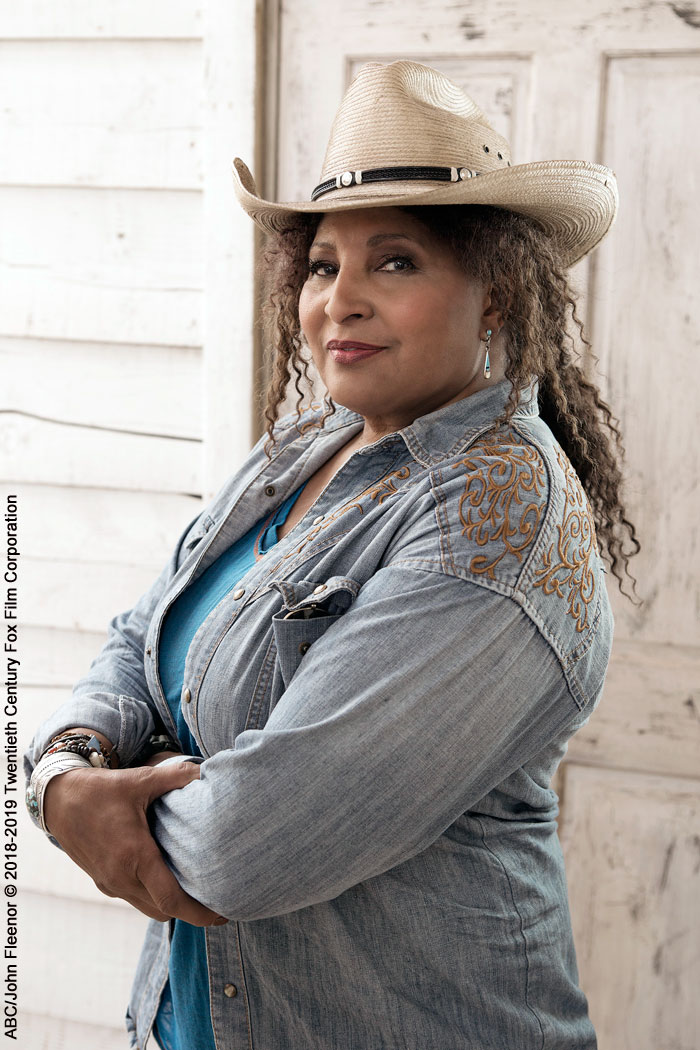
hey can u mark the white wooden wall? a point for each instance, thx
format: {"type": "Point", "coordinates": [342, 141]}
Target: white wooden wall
{"type": "Point", "coordinates": [618, 83]}
{"type": "Point", "coordinates": [126, 366]}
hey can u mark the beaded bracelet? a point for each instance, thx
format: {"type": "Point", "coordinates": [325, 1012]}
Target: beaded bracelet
{"type": "Point", "coordinates": [85, 744]}
{"type": "Point", "coordinates": [155, 744]}
{"type": "Point", "coordinates": [65, 752]}
{"type": "Point", "coordinates": [160, 742]}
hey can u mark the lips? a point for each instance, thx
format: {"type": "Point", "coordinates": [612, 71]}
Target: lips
{"type": "Point", "coordinates": [347, 351]}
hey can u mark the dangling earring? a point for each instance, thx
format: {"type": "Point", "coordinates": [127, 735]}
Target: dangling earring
{"type": "Point", "coordinates": [487, 362]}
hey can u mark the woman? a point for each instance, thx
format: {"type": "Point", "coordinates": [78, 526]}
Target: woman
{"type": "Point", "coordinates": [377, 639]}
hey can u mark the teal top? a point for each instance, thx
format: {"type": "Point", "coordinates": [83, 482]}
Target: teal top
{"type": "Point", "coordinates": [184, 1019]}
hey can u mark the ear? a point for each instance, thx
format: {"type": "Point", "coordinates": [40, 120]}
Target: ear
{"type": "Point", "coordinates": [494, 309]}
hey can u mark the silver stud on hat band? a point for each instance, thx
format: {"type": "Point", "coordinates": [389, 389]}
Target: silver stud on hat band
{"type": "Point", "coordinates": [344, 179]}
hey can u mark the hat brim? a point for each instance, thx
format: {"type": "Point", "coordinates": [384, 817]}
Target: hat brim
{"type": "Point", "coordinates": [575, 202]}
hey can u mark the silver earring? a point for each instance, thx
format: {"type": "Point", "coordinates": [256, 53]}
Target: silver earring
{"type": "Point", "coordinates": [487, 362]}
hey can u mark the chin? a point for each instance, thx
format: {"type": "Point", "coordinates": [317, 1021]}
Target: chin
{"type": "Point", "coordinates": [365, 402]}
{"type": "Point", "coordinates": [358, 405]}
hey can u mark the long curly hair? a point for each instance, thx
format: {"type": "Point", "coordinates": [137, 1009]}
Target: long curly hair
{"type": "Point", "coordinates": [545, 339]}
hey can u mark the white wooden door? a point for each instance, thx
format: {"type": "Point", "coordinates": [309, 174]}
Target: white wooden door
{"type": "Point", "coordinates": [619, 84]}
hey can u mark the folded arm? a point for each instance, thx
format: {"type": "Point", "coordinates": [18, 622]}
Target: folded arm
{"type": "Point", "coordinates": [412, 706]}
{"type": "Point", "coordinates": [99, 816]}
{"type": "Point", "coordinates": [113, 697]}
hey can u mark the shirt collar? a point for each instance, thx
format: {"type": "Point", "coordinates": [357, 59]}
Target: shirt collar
{"type": "Point", "coordinates": [449, 429]}
{"type": "Point", "coordinates": [440, 434]}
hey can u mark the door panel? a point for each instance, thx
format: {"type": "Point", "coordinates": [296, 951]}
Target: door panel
{"type": "Point", "coordinates": [619, 84]}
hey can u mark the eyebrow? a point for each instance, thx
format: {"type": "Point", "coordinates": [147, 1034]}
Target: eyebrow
{"type": "Point", "coordinates": [373, 241]}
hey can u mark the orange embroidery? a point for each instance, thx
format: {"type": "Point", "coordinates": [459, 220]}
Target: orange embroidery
{"type": "Point", "coordinates": [567, 568]}
{"type": "Point", "coordinates": [379, 491]}
{"type": "Point", "coordinates": [503, 498]}
{"type": "Point", "coordinates": [316, 421]}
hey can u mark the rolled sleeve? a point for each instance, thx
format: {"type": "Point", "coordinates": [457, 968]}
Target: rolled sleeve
{"type": "Point", "coordinates": [113, 697]}
{"type": "Point", "coordinates": [416, 702]}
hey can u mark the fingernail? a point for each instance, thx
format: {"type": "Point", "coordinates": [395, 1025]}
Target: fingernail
{"type": "Point", "coordinates": [221, 921]}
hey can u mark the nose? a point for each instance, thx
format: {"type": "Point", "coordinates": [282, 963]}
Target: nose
{"type": "Point", "coordinates": [348, 297]}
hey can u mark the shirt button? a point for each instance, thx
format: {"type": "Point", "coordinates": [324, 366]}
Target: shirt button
{"type": "Point", "coordinates": [304, 647]}
{"type": "Point", "coordinates": [269, 490]}
{"type": "Point", "coordinates": [230, 990]}
{"type": "Point", "coordinates": [187, 696]}
{"type": "Point", "coordinates": [238, 593]}
{"type": "Point", "coordinates": [318, 520]}
{"type": "Point", "coordinates": [319, 590]}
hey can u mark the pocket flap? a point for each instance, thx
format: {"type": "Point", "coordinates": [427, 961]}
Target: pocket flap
{"type": "Point", "coordinates": [310, 608]}
{"type": "Point", "coordinates": [332, 596]}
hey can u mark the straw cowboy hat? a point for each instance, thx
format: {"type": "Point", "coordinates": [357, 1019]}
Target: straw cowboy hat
{"type": "Point", "coordinates": [406, 135]}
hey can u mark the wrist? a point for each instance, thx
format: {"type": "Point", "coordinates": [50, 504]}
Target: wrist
{"type": "Point", "coordinates": [90, 743]}
{"type": "Point", "coordinates": [54, 792]}
{"type": "Point", "coordinates": [47, 768]}
{"type": "Point", "coordinates": [157, 744]}
{"type": "Point", "coordinates": [72, 749]}
{"type": "Point", "coordinates": [162, 756]}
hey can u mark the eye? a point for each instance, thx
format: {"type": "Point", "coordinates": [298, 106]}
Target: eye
{"type": "Point", "coordinates": [397, 264]}
{"type": "Point", "coordinates": [320, 268]}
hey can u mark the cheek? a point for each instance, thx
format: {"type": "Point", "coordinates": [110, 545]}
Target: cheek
{"type": "Point", "coordinates": [437, 324]}
{"type": "Point", "coordinates": [461, 319]}
{"type": "Point", "coordinates": [311, 315]}
{"type": "Point", "coordinates": [309, 311]}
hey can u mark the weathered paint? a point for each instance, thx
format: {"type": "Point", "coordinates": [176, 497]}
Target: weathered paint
{"type": "Point", "coordinates": [617, 84]}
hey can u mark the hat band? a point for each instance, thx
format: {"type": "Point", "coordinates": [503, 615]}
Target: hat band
{"type": "Point", "coordinates": [427, 174]}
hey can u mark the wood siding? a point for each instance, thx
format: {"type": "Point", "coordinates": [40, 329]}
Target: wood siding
{"type": "Point", "coordinates": [126, 331]}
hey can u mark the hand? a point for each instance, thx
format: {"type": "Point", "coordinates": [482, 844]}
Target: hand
{"type": "Point", "coordinates": [160, 756]}
{"type": "Point", "coordinates": [99, 818]}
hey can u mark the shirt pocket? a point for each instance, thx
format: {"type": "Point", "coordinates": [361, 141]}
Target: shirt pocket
{"type": "Point", "coordinates": [310, 608]}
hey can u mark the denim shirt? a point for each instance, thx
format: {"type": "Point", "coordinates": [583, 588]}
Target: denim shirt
{"type": "Point", "coordinates": [381, 704]}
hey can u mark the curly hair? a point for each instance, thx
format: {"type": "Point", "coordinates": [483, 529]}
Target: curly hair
{"type": "Point", "coordinates": [528, 283]}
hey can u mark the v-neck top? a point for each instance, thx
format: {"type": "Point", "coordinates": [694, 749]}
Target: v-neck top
{"type": "Point", "coordinates": [193, 606]}
{"type": "Point", "coordinates": [184, 1020]}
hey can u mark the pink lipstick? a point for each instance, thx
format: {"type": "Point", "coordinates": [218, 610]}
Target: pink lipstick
{"type": "Point", "coordinates": [348, 350]}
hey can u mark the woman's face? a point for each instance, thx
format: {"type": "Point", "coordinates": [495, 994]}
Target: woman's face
{"type": "Point", "coordinates": [393, 323]}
